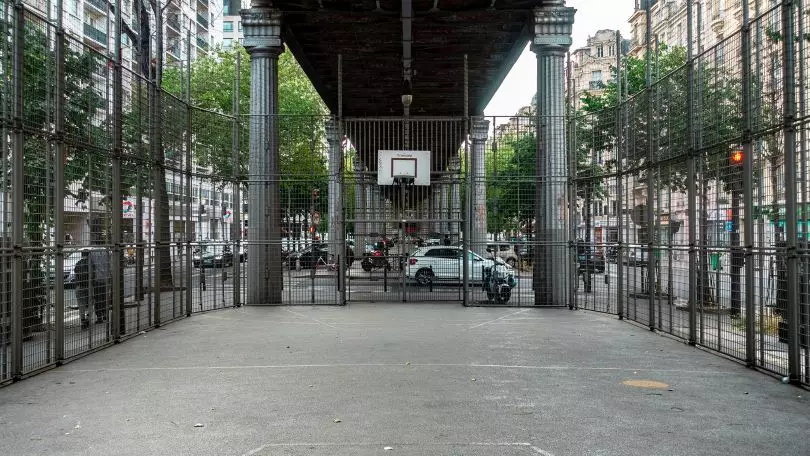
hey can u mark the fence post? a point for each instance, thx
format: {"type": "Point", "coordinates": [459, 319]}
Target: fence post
{"type": "Point", "coordinates": [18, 169]}
{"type": "Point", "coordinates": [619, 189]}
{"type": "Point", "coordinates": [236, 222]}
{"type": "Point", "coordinates": [189, 181]}
{"type": "Point", "coordinates": [789, 115]}
{"type": "Point", "coordinates": [59, 186]}
{"type": "Point", "coordinates": [118, 318]}
{"type": "Point", "coordinates": [691, 186]}
{"type": "Point", "coordinates": [465, 243]}
{"type": "Point", "coordinates": [573, 181]}
{"type": "Point", "coordinates": [748, 191]}
{"type": "Point", "coordinates": [650, 159]}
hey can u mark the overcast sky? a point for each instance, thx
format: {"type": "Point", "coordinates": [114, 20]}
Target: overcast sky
{"type": "Point", "coordinates": [592, 15]}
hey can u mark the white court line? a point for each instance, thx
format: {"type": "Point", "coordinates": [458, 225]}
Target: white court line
{"type": "Point", "coordinates": [395, 445]}
{"type": "Point", "coordinates": [498, 319]}
{"type": "Point", "coordinates": [310, 318]}
{"type": "Point", "coordinates": [412, 365]}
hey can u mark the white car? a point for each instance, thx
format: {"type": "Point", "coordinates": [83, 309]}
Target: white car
{"type": "Point", "coordinates": [444, 263]}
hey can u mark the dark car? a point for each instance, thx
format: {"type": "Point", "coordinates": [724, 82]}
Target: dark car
{"type": "Point", "coordinates": [308, 258]}
{"type": "Point", "coordinates": [589, 260]}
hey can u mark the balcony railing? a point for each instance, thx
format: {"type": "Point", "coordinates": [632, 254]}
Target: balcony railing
{"type": "Point", "coordinates": [202, 20]}
{"type": "Point", "coordinates": [202, 43]}
{"type": "Point", "coordinates": [97, 4]}
{"type": "Point", "coordinates": [174, 22]}
{"type": "Point", "coordinates": [95, 34]}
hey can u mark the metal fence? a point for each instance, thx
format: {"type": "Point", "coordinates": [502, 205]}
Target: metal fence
{"type": "Point", "coordinates": [692, 197]}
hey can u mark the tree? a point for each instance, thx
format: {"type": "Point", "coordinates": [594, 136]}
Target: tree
{"type": "Point", "coordinates": [301, 119]}
{"type": "Point", "coordinates": [86, 131]}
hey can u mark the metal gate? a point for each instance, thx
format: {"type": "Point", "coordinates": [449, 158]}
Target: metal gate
{"type": "Point", "coordinates": [384, 223]}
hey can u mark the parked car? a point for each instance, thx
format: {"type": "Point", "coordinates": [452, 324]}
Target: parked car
{"type": "Point", "coordinates": [213, 256]}
{"type": "Point", "coordinates": [589, 260]}
{"type": "Point", "coordinates": [445, 263]}
{"type": "Point", "coordinates": [634, 255]}
{"type": "Point", "coordinates": [506, 252]}
{"type": "Point", "coordinates": [308, 258]}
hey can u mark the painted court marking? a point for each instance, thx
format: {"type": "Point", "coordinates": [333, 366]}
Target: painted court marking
{"type": "Point", "coordinates": [498, 319]}
{"type": "Point", "coordinates": [527, 445]}
{"type": "Point", "coordinates": [412, 365]}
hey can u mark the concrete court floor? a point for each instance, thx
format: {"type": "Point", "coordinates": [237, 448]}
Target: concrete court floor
{"type": "Point", "coordinates": [420, 379]}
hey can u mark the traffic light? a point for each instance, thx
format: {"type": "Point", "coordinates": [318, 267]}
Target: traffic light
{"type": "Point", "coordinates": [737, 158]}
{"type": "Point", "coordinates": [312, 228]}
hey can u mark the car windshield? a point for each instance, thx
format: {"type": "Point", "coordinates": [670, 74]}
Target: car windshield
{"type": "Point", "coordinates": [474, 256]}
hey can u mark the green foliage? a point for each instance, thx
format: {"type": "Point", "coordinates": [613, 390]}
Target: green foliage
{"type": "Point", "coordinates": [86, 126]}
{"type": "Point", "coordinates": [301, 118]}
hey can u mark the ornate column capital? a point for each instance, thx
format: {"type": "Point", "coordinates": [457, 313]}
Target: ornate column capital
{"type": "Point", "coordinates": [479, 129]}
{"type": "Point", "coordinates": [262, 29]}
{"type": "Point", "coordinates": [552, 28]}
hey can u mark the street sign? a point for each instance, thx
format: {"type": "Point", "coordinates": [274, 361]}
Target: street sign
{"type": "Point", "coordinates": [316, 218]}
{"type": "Point", "coordinates": [729, 226]}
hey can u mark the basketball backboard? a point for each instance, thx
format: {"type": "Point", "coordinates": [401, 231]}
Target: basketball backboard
{"type": "Point", "coordinates": [413, 164]}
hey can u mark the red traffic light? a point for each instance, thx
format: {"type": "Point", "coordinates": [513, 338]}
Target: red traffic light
{"type": "Point", "coordinates": [737, 157]}
{"type": "Point", "coordinates": [312, 229]}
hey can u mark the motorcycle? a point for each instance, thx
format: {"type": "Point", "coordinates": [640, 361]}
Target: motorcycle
{"type": "Point", "coordinates": [375, 260]}
{"type": "Point", "coordinates": [499, 279]}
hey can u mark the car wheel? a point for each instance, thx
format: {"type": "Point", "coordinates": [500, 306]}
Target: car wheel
{"type": "Point", "coordinates": [511, 262]}
{"type": "Point", "coordinates": [366, 266]}
{"type": "Point", "coordinates": [424, 276]}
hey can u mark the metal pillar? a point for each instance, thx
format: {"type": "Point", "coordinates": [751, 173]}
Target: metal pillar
{"type": "Point", "coordinates": [748, 192]}
{"type": "Point", "coordinates": [17, 185]}
{"type": "Point", "coordinates": [335, 189]}
{"type": "Point", "coordinates": [118, 321]}
{"type": "Point", "coordinates": [436, 210]}
{"type": "Point", "coordinates": [789, 117]}
{"type": "Point", "coordinates": [552, 38]}
{"type": "Point", "coordinates": [236, 195]}
{"type": "Point", "coordinates": [479, 132]}
{"type": "Point", "coordinates": [360, 211]}
{"type": "Point", "coordinates": [650, 215]}
{"type": "Point", "coordinates": [444, 212]}
{"type": "Point", "coordinates": [455, 198]}
{"type": "Point", "coordinates": [59, 184]}
{"type": "Point", "coordinates": [619, 177]}
{"type": "Point", "coordinates": [262, 28]}
{"type": "Point", "coordinates": [691, 181]}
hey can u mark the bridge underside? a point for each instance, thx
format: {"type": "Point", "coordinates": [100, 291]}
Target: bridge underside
{"type": "Point", "coordinates": [408, 75]}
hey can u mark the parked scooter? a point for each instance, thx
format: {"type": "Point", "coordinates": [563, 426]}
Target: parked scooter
{"type": "Point", "coordinates": [499, 279]}
{"type": "Point", "coordinates": [375, 260]}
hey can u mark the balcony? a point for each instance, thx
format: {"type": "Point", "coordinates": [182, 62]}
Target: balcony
{"type": "Point", "coordinates": [174, 51]}
{"type": "Point", "coordinates": [202, 20]}
{"type": "Point", "coordinates": [95, 34]}
{"type": "Point", "coordinates": [202, 43]}
{"type": "Point", "coordinates": [596, 85]}
{"type": "Point", "coordinates": [173, 22]}
{"type": "Point", "coordinates": [97, 5]}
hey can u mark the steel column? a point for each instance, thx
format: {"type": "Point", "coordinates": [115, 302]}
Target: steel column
{"type": "Point", "coordinates": [789, 117]}
{"type": "Point", "coordinates": [335, 190]}
{"type": "Point", "coordinates": [651, 291]}
{"type": "Point", "coordinates": [691, 185]}
{"type": "Point", "coordinates": [59, 185]}
{"type": "Point", "coordinates": [262, 29]}
{"type": "Point", "coordinates": [478, 231]}
{"type": "Point", "coordinates": [118, 320]}
{"type": "Point", "coordinates": [189, 186]}
{"type": "Point", "coordinates": [552, 38]}
{"type": "Point", "coordinates": [236, 194]}
{"type": "Point", "coordinates": [17, 186]}
{"type": "Point", "coordinates": [748, 191]}
{"type": "Point", "coordinates": [619, 184]}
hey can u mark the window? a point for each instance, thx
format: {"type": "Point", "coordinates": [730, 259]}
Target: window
{"type": "Point", "coordinates": [596, 75]}
{"type": "Point", "coordinates": [73, 7]}
{"type": "Point", "coordinates": [226, 7]}
{"type": "Point", "coordinates": [227, 43]}
{"type": "Point", "coordinates": [600, 51]}
{"type": "Point", "coordinates": [227, 26]}
{"type": "Point", "coordinates": [240, 25]}
{"type": "Point", "coordinates": [611, 50]}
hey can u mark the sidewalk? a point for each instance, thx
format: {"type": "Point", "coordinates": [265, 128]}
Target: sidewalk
{"type": "Point", "coordinates": [436, 379]}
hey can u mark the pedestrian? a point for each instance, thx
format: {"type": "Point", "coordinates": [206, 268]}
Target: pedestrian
{"type": "Point", "coordinates": [82, 272]}
{"type": "Point", "coordinates": [100, 280]}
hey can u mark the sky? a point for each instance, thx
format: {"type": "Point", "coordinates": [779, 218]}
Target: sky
{"type": "Point", "coordinates": [519, 86]}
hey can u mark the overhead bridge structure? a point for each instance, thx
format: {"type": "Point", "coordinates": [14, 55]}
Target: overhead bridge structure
{"type": "Point", "coordinates": [408, 75]}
